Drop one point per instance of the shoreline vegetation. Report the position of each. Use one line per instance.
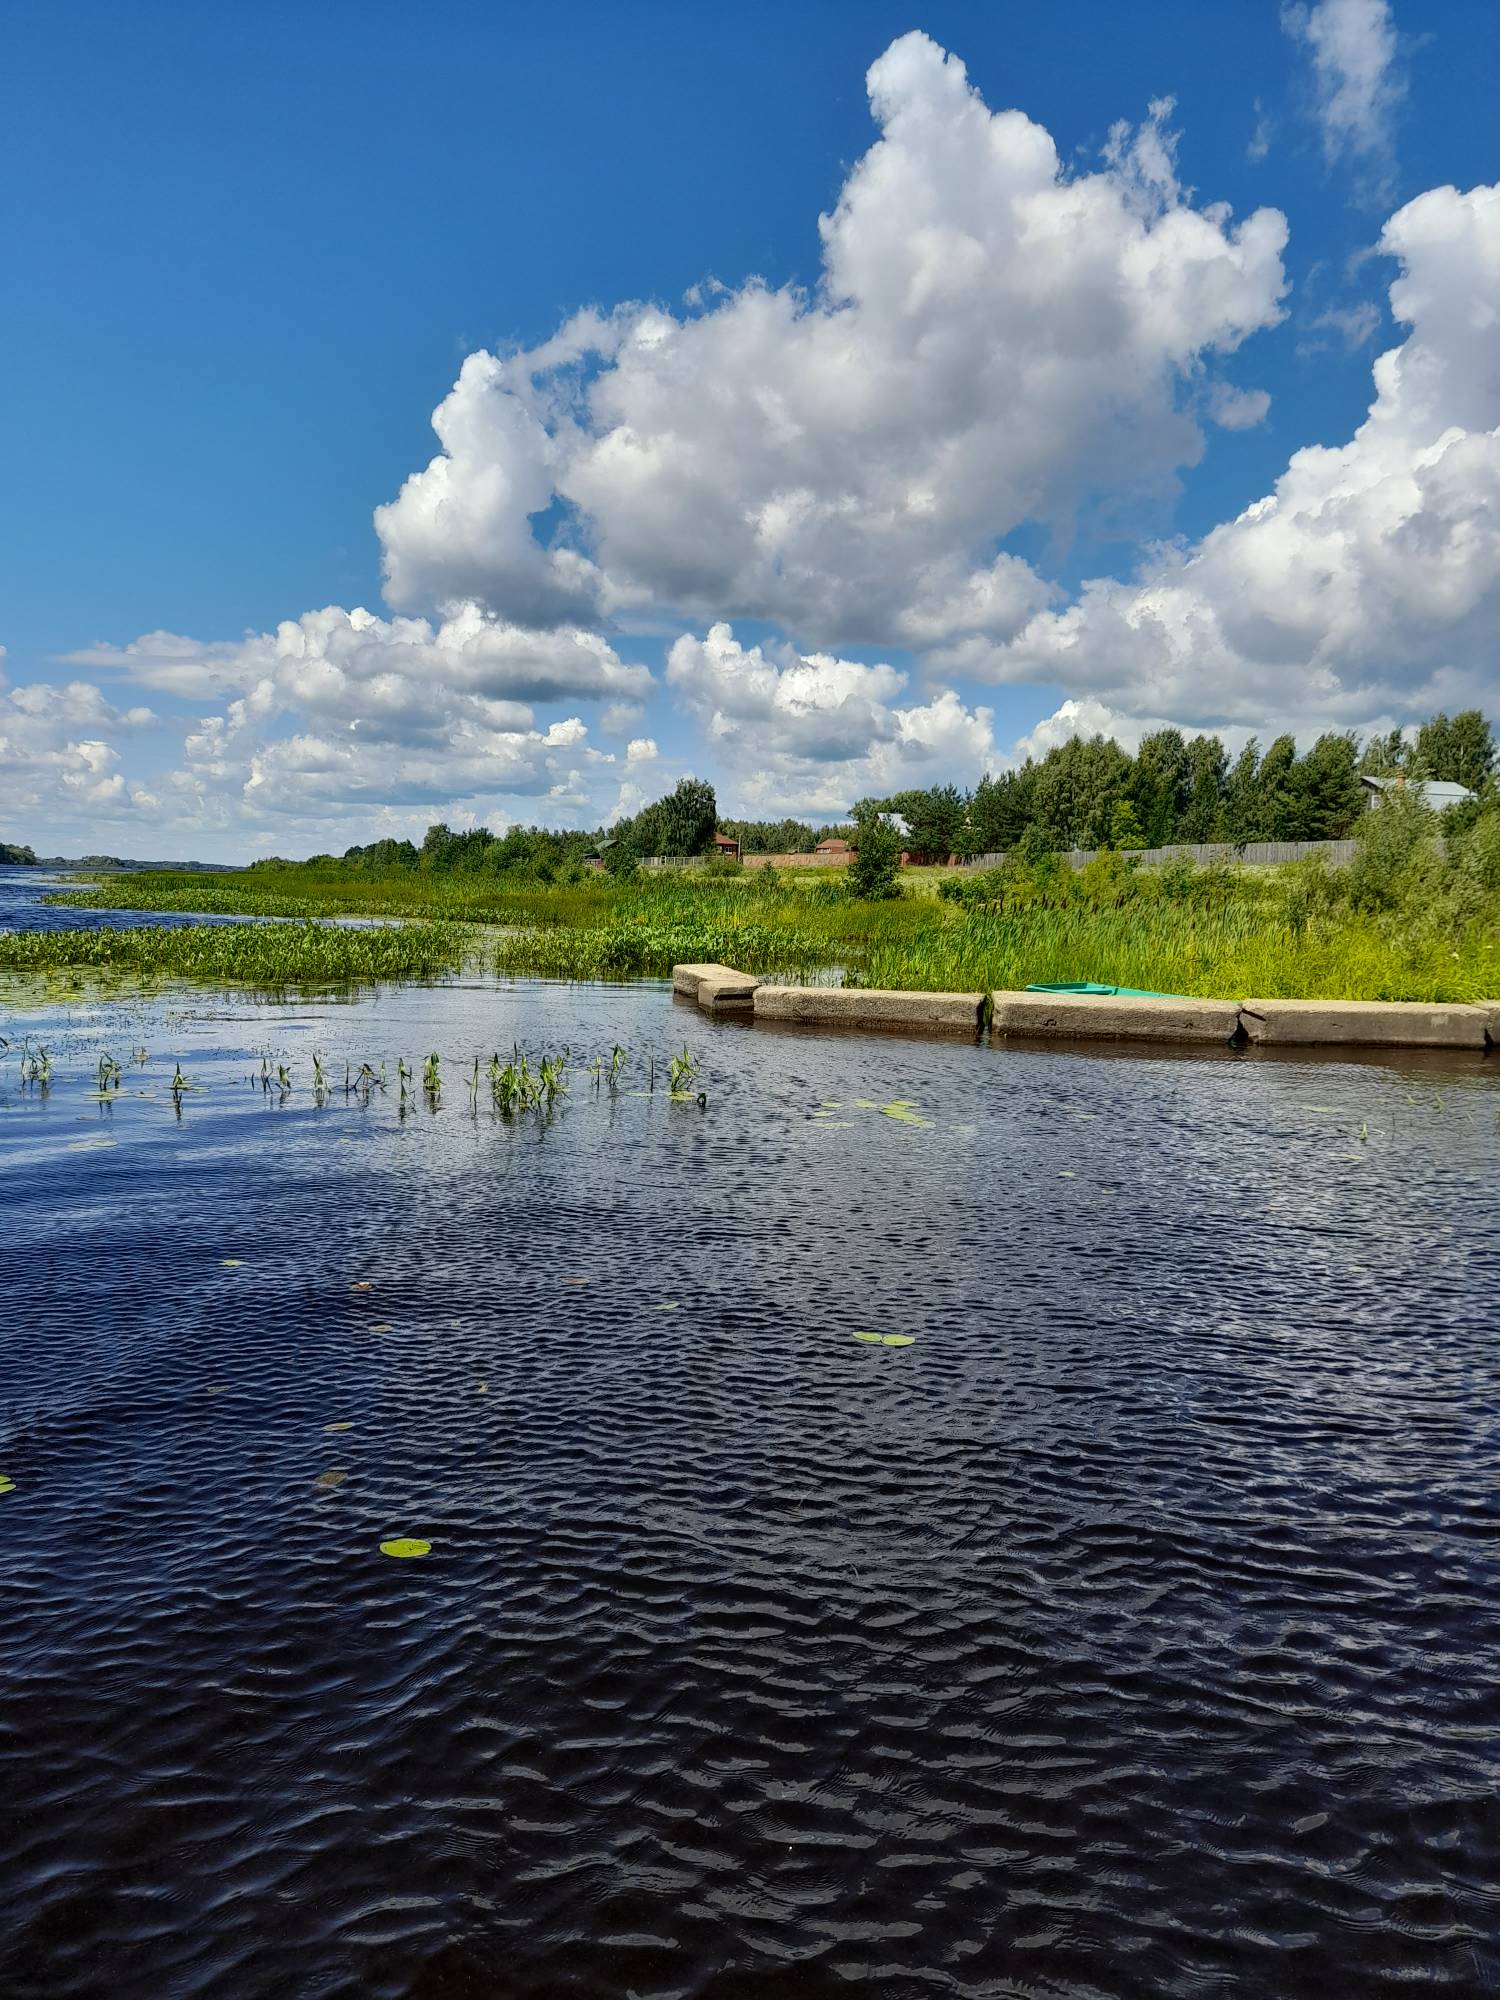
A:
(1416, 916)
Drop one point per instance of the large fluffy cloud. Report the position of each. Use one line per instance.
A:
(57, 758)
(340, 716)
(993, 340)
(814, 733)
(394, 677)
(1368, 582)
(343, 710)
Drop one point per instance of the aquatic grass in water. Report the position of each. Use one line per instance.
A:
(269, 958)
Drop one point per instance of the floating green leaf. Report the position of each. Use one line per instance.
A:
(7, 1484)
(382, 1326)
(334, 1477)
(231, 1263)
(404, 1546)
(338, 1427)
(667, 1305)
(886, 1339)
(903, 1112)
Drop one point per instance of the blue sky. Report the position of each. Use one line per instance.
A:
(248, 251)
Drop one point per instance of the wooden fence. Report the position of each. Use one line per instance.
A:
(1262, 853)
(1208, 853)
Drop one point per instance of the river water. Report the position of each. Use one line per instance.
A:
(1133, 1631)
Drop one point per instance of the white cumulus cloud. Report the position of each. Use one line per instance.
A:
(813, 732)
(993, 340)
(1368, 582)
(57, 756)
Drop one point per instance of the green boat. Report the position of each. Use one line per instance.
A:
(1091, 986)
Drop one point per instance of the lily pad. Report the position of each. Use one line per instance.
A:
(217, 1389)
(231, 1263)
(886, 1339)
(382, 1326)
(483, 1389)
(335, 1476)
(405, 1546)
(338, 1427)
(667, 1305)
(7, 1485)
(904, 1113)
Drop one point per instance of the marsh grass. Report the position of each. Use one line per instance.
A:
(269, 958)
(1408, 922)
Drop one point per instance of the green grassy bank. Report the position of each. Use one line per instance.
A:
(1415, 918)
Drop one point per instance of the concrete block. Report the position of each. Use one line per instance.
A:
(867, 1007)
(1409, 1024)
(685, 978)
(1492, 1021)
(726, 992)
(1114, 1017)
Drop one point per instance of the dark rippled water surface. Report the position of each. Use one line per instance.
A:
(1133, 1632)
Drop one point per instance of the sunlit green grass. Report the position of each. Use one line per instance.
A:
(269, 958)
(1238, 935)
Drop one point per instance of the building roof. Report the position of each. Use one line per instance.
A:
(834, 846)
(1437, 793)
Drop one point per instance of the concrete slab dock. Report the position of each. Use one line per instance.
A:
(1115, 1016)
(1409, 1024)
(869, 1007)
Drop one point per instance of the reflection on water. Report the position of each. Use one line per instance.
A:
(1130, 1632)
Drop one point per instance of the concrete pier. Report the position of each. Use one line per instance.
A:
(1116, 1017)
(1393, 1024)
(1402, 1024)
(869, 1007)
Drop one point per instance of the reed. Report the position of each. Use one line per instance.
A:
(268, 957)
(1429, 931)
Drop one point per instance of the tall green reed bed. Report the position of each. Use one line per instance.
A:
(1415, 918)
(304, 892)
(269, 957)
(1230, 953)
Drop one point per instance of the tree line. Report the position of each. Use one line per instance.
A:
(1086, 793)
(1175, 790)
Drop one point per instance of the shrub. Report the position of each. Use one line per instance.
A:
(877, 861)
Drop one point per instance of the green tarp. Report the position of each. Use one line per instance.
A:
(1090, 986)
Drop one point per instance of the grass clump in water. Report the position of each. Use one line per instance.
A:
(270, 958)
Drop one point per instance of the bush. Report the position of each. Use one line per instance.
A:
(877, 860)
(1388, 842)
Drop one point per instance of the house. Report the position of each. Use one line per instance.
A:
(1437, 794)
(834, 850)
(726, 847)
